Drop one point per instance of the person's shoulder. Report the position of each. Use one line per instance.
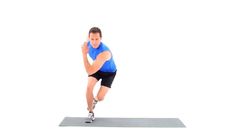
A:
(104, 46)
(105, 55)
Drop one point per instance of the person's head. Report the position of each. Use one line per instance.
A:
(95, 36)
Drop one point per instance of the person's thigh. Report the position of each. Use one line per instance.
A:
(102, 92)
(107, 79)
(91, 82)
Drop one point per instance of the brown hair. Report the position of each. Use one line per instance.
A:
(95, 30)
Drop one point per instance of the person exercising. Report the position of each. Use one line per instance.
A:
(103, 67)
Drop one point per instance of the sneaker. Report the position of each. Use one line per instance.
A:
(90, 118)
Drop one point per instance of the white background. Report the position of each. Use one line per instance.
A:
(174, 59)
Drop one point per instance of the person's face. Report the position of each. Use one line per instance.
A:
(95, 39)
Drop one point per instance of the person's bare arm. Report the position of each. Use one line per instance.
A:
(98, 62)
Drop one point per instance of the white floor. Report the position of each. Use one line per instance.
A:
(174, 59)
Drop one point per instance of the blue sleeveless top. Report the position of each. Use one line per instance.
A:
(109, 65)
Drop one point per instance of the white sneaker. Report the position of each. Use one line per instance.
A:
(90, 118)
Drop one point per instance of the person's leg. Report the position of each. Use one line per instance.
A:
(107, 79)
(89, 93)
(102, 93)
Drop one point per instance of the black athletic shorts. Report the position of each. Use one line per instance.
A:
(107, 77)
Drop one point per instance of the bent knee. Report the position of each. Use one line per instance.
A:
(100, 98)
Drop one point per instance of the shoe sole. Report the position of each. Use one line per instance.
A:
(89, 121)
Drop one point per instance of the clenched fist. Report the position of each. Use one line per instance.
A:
(85, 48)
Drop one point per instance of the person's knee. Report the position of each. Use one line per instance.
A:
(100, 98)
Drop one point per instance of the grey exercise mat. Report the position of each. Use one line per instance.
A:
(123, 122)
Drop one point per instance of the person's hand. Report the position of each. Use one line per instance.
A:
(85, 48)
